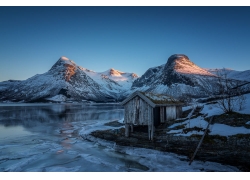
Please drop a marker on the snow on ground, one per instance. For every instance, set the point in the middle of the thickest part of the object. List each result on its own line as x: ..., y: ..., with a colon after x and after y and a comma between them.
x: 158, y: 161
x: 216, y: 129
x: 246, y: 109
x: 225, y: 130
x: 211, y: 110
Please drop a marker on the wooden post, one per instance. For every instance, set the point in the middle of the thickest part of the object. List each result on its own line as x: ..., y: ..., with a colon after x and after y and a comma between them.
x: 152, y: 132
x: 127, y: 130
x: 149, y: 131
x: 191, y: 160
x: 162, y: 114
x: 132, y: 127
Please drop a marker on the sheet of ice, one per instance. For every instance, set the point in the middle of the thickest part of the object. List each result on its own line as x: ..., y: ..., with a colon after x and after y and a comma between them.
x: 158, y: 161
x: 96, y: 125
x: 62, y: 169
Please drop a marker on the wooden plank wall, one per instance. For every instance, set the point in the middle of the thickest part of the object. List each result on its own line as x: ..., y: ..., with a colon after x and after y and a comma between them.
x: 162, y: 116
x: 137, y: 111
x: 170, y: 113
x: 178, y: 111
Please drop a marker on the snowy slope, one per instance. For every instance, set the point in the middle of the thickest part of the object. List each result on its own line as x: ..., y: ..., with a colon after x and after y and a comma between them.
x: 232, y: 74
x: 112, y: 79
x: 71, y: 82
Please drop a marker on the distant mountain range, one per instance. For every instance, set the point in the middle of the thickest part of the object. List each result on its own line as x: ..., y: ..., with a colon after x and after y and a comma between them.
x: 66, y: 81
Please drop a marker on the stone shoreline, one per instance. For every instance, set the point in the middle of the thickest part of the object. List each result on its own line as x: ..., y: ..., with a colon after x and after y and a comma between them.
x: 234, y: 150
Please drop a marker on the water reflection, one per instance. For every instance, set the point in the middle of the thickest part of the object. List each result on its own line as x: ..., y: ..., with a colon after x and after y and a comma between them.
x: 13, y: 115
x: 44, y: 118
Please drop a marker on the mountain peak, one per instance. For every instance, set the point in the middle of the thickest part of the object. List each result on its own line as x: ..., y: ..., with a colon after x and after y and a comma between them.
x: 114, y: 72
x: 182, y: 64
x: 64, y: 58
x: 175, y: 57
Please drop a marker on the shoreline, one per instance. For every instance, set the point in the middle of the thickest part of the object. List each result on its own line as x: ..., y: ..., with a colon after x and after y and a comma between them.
x: 233, y: 151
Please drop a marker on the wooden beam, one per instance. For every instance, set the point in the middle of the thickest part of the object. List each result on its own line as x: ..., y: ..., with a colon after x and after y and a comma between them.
x: 191, y: 160
x: 132, y: 127
x: 127, y: 130
x: 149, y: 131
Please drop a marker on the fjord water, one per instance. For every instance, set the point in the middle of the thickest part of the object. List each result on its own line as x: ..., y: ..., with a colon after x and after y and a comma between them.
x: 46, y: 137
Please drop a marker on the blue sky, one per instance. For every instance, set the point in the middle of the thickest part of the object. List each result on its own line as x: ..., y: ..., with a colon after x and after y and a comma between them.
x: 129, y: 39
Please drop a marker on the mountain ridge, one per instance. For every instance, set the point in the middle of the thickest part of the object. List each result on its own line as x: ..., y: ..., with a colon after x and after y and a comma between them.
x: 179, y: 77
x: 66, y: 81
x: 70, y: 81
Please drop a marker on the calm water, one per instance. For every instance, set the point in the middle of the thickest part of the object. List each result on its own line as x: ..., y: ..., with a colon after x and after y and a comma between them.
x: 45, y: 137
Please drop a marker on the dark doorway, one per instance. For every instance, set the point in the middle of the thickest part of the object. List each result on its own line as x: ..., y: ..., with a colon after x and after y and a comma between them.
x: 157, y: 120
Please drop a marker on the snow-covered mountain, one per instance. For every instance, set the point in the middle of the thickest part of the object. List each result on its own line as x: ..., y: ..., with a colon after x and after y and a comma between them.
x: 178, y: 77
x: 68, y: 81
x: 232, y: 74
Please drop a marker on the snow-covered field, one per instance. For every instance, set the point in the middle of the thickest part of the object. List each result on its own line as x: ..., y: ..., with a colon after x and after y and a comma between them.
x: 216, y: 128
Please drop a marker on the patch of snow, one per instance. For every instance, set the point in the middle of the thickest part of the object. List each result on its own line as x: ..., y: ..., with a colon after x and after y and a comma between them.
x: 64, y: 58
x: 211, y: 110
x: 185, y: 108
x: 122, y: 120
x: 248, y: 122
x: 225, y: 130
x: 246, y: 109
x: 232, y: 74
x: 58, y: 98
x: 215, y: 129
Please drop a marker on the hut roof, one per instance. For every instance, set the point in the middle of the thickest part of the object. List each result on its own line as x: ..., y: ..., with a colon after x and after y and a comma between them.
x: 153, y: 99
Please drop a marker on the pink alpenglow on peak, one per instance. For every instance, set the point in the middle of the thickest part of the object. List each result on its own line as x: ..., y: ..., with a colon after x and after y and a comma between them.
x: 183, y: 65
x: 64, y: 58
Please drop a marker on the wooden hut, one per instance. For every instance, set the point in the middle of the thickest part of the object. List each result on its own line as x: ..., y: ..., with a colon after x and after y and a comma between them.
x: 142, y: 108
